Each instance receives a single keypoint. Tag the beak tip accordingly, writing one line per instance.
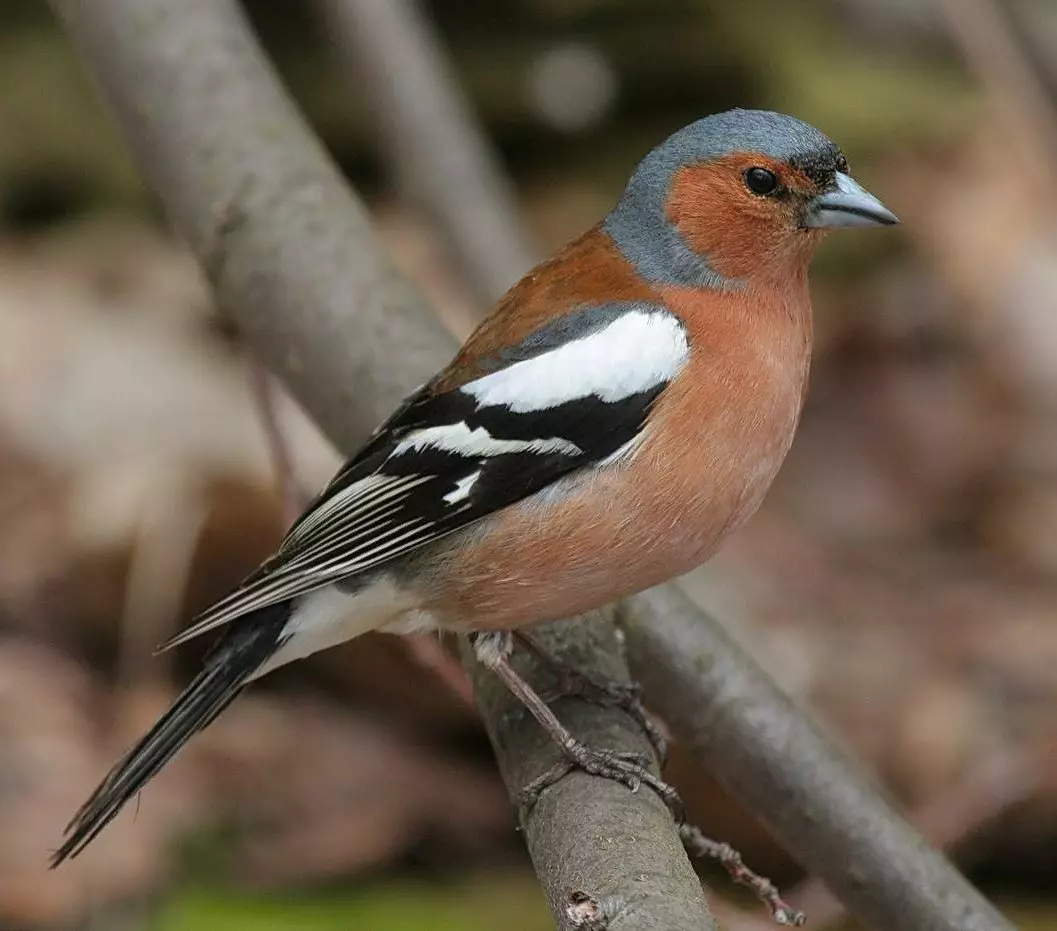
(848, 205)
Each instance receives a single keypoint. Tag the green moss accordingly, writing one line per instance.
(52, 121)
(512, 904)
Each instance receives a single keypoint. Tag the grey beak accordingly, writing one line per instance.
(847, 204)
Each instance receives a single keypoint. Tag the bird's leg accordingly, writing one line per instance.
(611, 693)
(493, 649)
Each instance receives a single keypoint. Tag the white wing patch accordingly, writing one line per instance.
(638, 351)
(478, 442)
(463, 487)
(447, 460)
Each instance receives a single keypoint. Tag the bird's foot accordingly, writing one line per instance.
(609, 693)
(629, 769)
(493, 650)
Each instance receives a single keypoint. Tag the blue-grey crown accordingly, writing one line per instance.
(638, 223)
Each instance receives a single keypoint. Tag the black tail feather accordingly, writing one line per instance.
(248, 643)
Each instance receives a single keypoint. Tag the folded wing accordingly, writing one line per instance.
(575, 393)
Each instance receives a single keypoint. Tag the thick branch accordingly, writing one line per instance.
(294, 262)
(623, 852)
(290, 250)
(768, 754)
(434, 141)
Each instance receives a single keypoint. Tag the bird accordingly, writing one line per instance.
(619, 413)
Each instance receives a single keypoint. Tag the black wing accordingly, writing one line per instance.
(440, 463)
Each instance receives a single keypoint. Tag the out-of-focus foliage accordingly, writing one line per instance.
(497, 903)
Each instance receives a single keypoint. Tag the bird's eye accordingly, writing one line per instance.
(761, 181)
(842, 164)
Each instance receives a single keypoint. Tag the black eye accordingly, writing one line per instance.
(842, 164)
(761, 181)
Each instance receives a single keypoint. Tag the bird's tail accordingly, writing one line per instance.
(247, 645)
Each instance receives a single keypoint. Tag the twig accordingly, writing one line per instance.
(166, 538)
(430, 654)
(291, 495)
(727, 857)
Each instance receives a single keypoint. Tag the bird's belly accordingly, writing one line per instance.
(567, 552)
(332, 614)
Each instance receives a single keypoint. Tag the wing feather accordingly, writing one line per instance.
(445, 460)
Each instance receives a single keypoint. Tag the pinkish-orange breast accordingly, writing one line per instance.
(716, 439)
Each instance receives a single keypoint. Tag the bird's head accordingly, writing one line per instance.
(738, 198)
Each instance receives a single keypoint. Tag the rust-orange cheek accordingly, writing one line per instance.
(742, 236)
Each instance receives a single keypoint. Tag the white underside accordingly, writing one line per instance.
(328, 616)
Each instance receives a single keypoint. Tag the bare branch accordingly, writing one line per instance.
(726, 856)
(290, 251)
(768, 754)
(957, 812)
(622, 851)
(437, 146)
(295, 264)
(429, 653)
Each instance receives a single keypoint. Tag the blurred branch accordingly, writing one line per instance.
(167, 536)
(767, 753)
(986, 33)
(289, 249)
(263, 390)
(955, 814)
(296, 265)
(1038, 46)
(439, 151)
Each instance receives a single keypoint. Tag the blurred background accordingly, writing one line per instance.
(901, 578)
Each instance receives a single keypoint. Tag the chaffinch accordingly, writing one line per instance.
(622, 409)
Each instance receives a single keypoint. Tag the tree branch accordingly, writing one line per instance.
(957, 812)
(296, 265)
(440, 152)
(623, 851)
(290, 251)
